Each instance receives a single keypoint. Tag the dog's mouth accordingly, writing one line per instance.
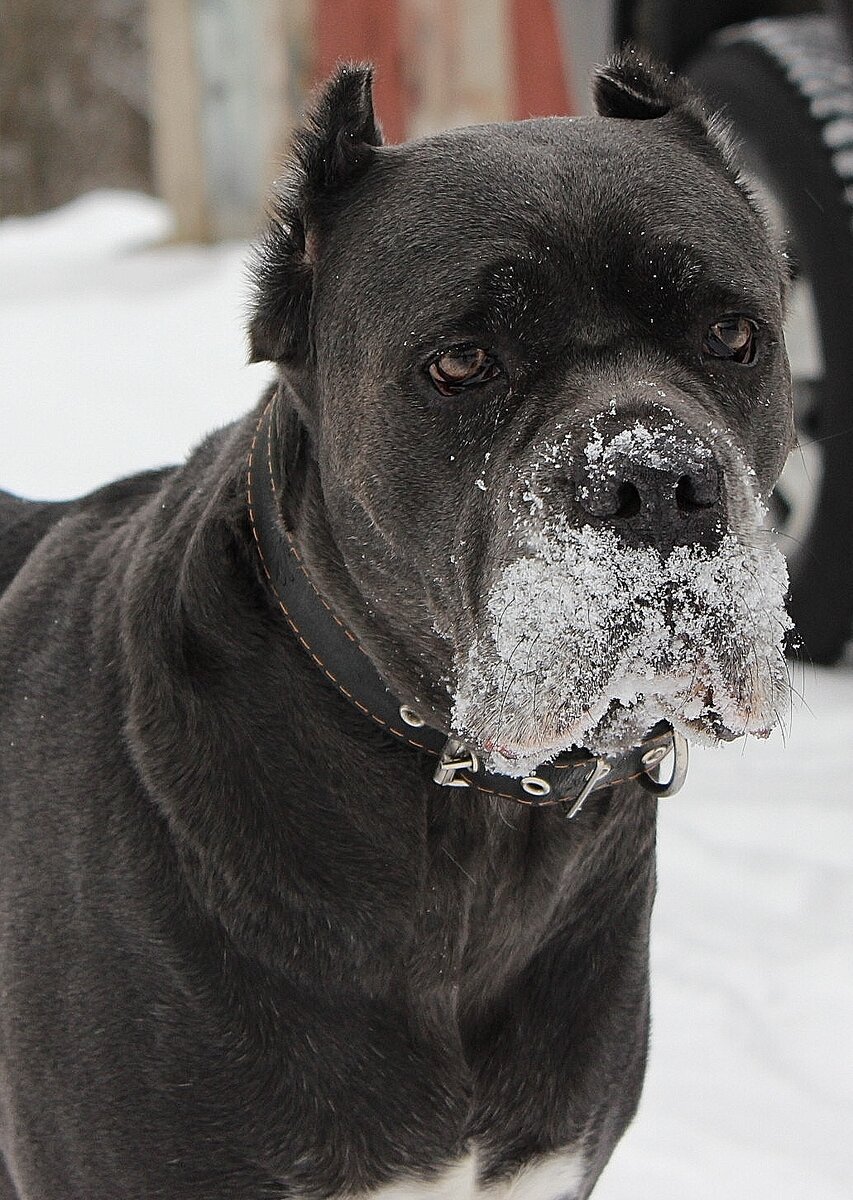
(590, 643)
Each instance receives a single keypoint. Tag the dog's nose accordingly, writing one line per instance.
(662, 495)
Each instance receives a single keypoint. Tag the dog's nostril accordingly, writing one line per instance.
(690, 499)
(628, 500)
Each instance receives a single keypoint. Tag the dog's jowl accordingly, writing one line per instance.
(328, 760)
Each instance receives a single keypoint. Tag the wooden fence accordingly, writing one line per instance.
(229, 79)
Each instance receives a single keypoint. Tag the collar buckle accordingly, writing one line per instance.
(455, 757)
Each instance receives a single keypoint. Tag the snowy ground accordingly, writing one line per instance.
(119, 352)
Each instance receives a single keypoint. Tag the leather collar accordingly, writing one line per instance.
(567, 780)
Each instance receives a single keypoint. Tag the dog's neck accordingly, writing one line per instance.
(338, 654)
(374, 597)
(318, 843)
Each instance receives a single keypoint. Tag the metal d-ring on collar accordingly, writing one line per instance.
(567, 781)
(680, 761)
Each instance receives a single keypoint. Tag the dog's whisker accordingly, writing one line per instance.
(535, 679)
(458, 864)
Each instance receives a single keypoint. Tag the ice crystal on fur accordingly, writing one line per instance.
(589, 642)
(652, 447)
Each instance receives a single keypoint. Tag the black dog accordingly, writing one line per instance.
(531, 389)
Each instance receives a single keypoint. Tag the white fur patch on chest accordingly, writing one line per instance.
(558, 1177)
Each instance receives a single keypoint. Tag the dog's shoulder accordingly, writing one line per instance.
(24, 523)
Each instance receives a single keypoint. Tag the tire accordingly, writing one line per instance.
(786, 86)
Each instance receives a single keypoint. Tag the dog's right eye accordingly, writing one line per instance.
(732, 338)
(461, 367)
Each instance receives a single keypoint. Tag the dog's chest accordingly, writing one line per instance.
(490, 894)
(557, 1177)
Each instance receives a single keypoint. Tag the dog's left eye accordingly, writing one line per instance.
(461, 367)
(733, 338)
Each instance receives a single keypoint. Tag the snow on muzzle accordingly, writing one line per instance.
(585, 640)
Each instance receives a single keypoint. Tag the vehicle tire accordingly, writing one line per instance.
(786, 86)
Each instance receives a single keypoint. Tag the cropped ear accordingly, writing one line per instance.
(329, 152)
(633, 86)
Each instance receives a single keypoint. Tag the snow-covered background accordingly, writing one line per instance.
(120, 351)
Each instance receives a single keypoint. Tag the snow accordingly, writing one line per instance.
(652, 447)
(584, 621)
(120, 354)
(750, 1083)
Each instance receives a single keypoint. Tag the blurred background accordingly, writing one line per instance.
(138, 139)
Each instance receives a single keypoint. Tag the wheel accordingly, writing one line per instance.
(786, 86)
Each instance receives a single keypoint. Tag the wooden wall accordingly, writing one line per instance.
(230, 78)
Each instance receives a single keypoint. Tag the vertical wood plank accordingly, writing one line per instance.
(229, 82)
(429, 36)
(483, 61)
(178, 154)
(457, 62)
(287, 72)
(587, 39)
(229, 52)
(540, 87)
(366, 30)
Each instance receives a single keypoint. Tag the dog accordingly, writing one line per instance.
(330, 758)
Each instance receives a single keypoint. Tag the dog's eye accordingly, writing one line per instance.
(733, 338)
(461, 367)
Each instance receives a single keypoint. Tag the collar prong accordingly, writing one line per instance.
(600, 768)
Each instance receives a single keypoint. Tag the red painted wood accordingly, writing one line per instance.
(539, 84)
(365, 30)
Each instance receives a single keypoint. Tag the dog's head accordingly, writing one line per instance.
(542, 373)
